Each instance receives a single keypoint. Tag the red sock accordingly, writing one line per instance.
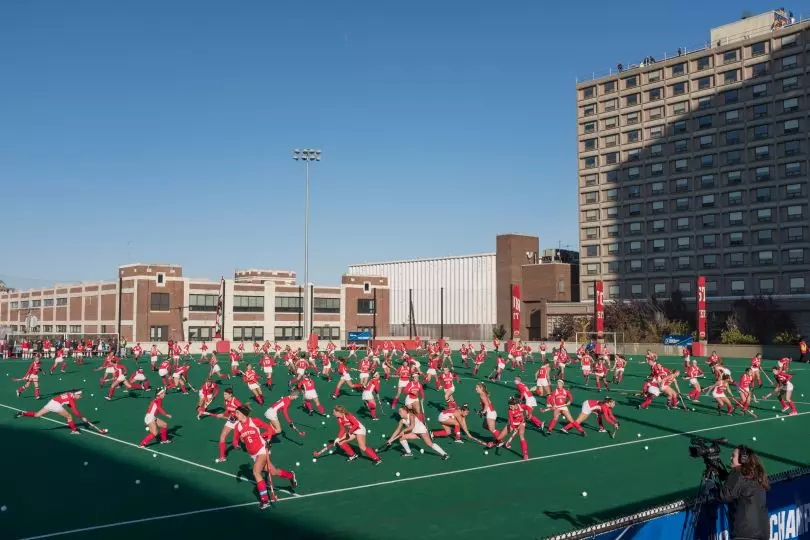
(440, 433)
(675, 400)
(308, 405)
(552, 424)
(792, 406)
(496, 434)
(598, 384)
(222, 449)
(579, 428)
(36, 392)
(457, 432)
(728, 408)
(260, 399)
(372, 454)
(287, 475)
(320, 409)
(261, 486)
(599, 422)
(110, 393)
(373, 408)
(568, 426)
(146, 440)
(29, 413)
(145, 385)
(525, 447)
(782, 401)
(646, 402)
(534, 420)
(346, 448)
(394, 403)
(164, 434)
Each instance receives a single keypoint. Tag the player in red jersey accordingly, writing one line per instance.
(600, 370)
(206, 395)
(153, 423)
(180, 378)
(756, 366)
(351, 429)
(487, 409)
(326, 365)
(619, 364)
(371, 395)
(251, 379)
(57, 406)
(558, 401)
(363, 367)
(453, 420)
(560, 361)
(59, 359)
(138, 380)
(692, 373)
(307, 386)
(215, 369)
(432, 374)
(31, 376)
(785, 390)
(414, 395)
(109, 370)
(267, 363)
(345, 377)
(542, 378)
(281, 405)
(745, 388)
(231, 404)
(203, 352)
(119, 378)
(603, 410)
(352, 350)
(719, 390)
(784, 364)
(137, 351)
(163, 370)
(411, 428)
(529, 402)
(516, 425)
(234, 357)
(713, 358)
(667, 380)
(404, 374)
(154, 355)
(650, 390)
(249, 431)
(479, 360)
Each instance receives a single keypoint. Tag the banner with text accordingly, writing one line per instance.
(599, 313)
(515, 311)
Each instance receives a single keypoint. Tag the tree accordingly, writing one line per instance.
(568, 325)
(498, 332)
(762, 318)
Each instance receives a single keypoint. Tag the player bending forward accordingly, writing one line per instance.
(57, 406)
(411, 428)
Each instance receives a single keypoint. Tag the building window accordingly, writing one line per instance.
(759, 90)
(636, 291)
(731, 96)
(679, 127)
(660, 288)
(657, 207)
(709, 240)
(733, 177)
(61, 302)
(634, 247)
(49, 302)
(765, 257)
(288, 333)
(735, 239)
(635, 228)
(735, 218)
(202, 302)
(248, 333)
(612, 268)
(795, 234)
(733, 157)
(706, 141)
(592, 269)
(326, 332)
(589, 127)
(792, 148)
(738, 286)
(790, 83)
(656, 150)
(588, 92)
(763, 194)
(289, 304)
(729, 56)
(762, 174)
(612, 213)
(365, 306)
(681, 165)
(159, 302)
(631, 100)
(707, 181)
(613, 291)
(61, 329)
(158, 333)
(793, 169)
(682, 224)
(704, 122)
(682, 204)
(613, 230)
(659, 225)
(679, 147)
(200, 333)
(709, 261)
(793, 191)
(659, 265)
(634, 210)
(592, 251)
(707, 201)
(761, 110)
(634, 155)
(704, 82)
(789, 62)
(24, 304)
(794, 213)
(36, 303)
(635, 265)
(762, 153)
(736, 259)
(684, 242)
(761, 132)
(759, 70)
(609, 87)
(766, 286)
(326, 305)
(732, 116)
(248, 304)
(656, 169)
(764, 236)
(797, 285)
(678, 69)
(659, 244)
(634, 192)
(708, 221)
(796, 256)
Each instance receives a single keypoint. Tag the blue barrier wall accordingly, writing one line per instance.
(788, 507)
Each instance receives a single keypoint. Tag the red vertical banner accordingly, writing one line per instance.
(515, 311)
(599, 313)
(701, 307)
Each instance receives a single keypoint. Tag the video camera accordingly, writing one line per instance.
(709, 450)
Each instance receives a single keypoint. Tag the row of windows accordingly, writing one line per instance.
(247, 304)
(707, 161)
(763, 173)
(766, 285)
(705, 261)
(47, 302)
(685, 243)
(248, 333)
(682, 185)
(680, 126)
(699, 64)
(730, 137)
(793, 212)
(761, 236)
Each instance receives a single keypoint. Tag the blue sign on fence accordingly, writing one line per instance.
(682, 341)
(359, 336)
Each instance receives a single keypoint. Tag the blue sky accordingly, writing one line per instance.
(163, 131)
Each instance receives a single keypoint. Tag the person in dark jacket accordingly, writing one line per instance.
(744, 491)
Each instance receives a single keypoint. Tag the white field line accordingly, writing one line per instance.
(423, 477)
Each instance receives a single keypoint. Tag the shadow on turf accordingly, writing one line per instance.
(37, 457)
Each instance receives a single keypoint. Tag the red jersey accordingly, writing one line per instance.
(756, 362)
(165, 365)
(342, 368)
(302, 364)
(250, 377)
(155, 406)
(209, 390)
(266, 361)
(404, 372)
(33, 368)
(250, 433)
(516, 417)
(524, 390)
(560, 397)
(234, 357)
(69, 399)
(372, 386)
(601, 410)
(414, 390)
(306, 384)
(283, 405)
(693, 371)
(745, 381)
(231, 406)
(542, 372)
(782, 377)
(620, 363)
(447, 380)
(364, 365)
(600, 368)
(348, 424)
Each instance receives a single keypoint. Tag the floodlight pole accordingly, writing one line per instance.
(306, 155)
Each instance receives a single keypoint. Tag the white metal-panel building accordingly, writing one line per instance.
(468, 281)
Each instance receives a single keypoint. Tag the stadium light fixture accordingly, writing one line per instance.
(306, 155)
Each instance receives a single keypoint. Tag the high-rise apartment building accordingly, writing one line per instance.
(698, 165)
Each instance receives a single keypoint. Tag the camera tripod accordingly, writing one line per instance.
(709, 484)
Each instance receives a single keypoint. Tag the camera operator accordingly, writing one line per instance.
(744, 493)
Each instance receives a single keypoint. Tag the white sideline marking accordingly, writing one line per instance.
(423, 477)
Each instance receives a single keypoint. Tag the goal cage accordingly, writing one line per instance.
(108, 340)
(614, 341)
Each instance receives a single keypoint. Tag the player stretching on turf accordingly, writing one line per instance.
(153, 422)
(351, 429)
(411, 428)
(57, 406)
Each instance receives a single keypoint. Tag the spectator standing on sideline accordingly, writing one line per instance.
(803, 350)
(744, 492)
